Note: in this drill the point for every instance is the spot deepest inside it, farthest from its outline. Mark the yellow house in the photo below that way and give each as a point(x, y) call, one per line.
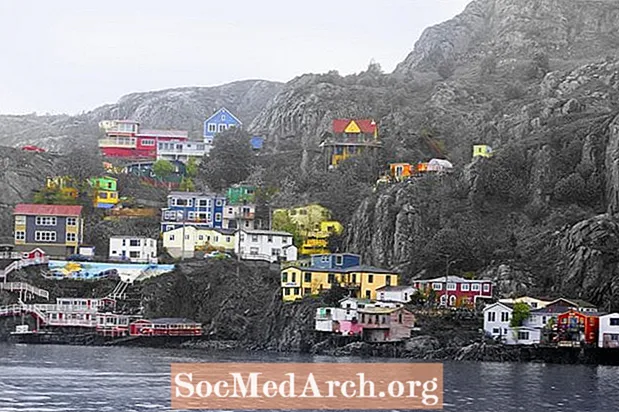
point(362, 281)
point(197, 240)
point(534, 303)
point(482, 151)
point(313, 223)
point(64, 184)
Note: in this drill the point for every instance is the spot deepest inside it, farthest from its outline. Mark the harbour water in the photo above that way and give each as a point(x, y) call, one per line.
point(73, 378)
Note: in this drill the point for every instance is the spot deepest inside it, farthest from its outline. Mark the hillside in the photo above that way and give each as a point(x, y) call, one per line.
point(182, 108)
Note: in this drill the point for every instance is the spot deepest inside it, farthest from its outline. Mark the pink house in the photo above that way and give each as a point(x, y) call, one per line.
point(350, 327)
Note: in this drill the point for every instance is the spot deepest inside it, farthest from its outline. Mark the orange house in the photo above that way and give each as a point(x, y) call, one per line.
point(400, 171)
point(579, 326)
point(422, 167)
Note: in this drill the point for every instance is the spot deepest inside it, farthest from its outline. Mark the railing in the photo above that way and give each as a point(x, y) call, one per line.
point(116, 143)
point(24, 287)
point(181, 151)
point(46, 307)
point(18, 264)
point(85, 323)
point(119, 290)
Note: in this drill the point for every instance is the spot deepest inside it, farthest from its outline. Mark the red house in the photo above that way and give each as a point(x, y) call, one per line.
point(165, 327)
point(578, 326)
point(125, 139)
point(455, 291)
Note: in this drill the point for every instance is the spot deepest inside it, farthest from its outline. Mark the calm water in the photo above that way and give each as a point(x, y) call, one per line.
point(64, 378)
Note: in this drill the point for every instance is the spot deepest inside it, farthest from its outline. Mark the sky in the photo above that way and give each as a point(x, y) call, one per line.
point(69, 56)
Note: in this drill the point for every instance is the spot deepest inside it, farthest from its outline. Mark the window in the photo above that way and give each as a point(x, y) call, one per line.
point(134, 254)
point(216, 239)
point(614, 321)
point(523, 335)
point(21, 235)
point(486, 287)
point(437, 286)
point(103, 195)
point(339, 259)
point(307, 291)
point(399, 318)
point(287, 291)
point(222, 127)
point(223, 117)
point(534, 305)
point(307, 277)
point(451, 286)
point(270, 238)
point(219, 202)
point(20, 220)
point(71, 237)
point(227, 238)
point(370, 278)
point(217, 217)
point(148, 142)
point(171, 237)
point(212, 127)
point(496, 331)
point(491, 316)
point(203, 202)
point(44, 236)
point(276, 252)
point(504, 316)
point(254, 238)
point(475, 287)
point(354, 278)
point(294, 277)
point(284, 277)
point(331, 278)
point(71, 221)
point(45, 221)
point(465, 287)
point(253, 250)
point(200, 237)
point(134, 242)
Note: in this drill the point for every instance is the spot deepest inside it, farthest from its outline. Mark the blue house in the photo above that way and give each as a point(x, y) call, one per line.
point(221, 120)
point(257, 142)
point(200, 210)
point(335, 261)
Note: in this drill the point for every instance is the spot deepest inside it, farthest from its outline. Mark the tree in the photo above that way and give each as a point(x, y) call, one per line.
point(187, 185)
point(163, 168)
point(284, 223)
point(191, 167)
point(230, 159)
point(520, 313)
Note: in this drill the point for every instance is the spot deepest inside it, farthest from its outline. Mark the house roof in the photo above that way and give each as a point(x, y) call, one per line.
point(378, 310)
point(451, 279)
point(266, 232)
point(395, 288)
point(441, 162)
point(131, 237)
point(223, 109)
point(506, 305)
point(577, 303)
point(193, 194)
point(163, 133)
point(171, 321)
point(351, 269)
point(365, 125)
point(358, 300)
point(47, 210)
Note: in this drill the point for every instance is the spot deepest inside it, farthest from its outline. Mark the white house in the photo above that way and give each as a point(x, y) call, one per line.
point(326, 318)
point(134, 249)
point(350, 305)
point(400, 294)
point(239, 216)
point(608, 336)
point(496, 320)
point(266, 245)
point(197, 239)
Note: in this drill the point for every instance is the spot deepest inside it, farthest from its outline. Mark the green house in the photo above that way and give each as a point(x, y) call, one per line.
point(239, 194)
point(103, 183)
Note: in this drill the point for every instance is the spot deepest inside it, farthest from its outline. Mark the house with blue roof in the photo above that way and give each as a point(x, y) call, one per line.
point(219, 121)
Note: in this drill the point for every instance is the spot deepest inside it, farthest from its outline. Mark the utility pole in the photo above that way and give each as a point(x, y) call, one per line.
point(184, 212)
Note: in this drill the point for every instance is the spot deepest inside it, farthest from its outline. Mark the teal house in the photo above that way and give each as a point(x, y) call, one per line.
point(241, 194)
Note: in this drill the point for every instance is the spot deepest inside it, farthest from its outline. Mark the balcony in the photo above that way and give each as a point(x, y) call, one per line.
point(123, 143)
point(181, 149)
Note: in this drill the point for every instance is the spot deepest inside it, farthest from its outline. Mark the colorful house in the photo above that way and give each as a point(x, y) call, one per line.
point(401, 171)
point(105, 194)
point(576, 326)
point(482, 150)
point(351, 137)
point(386, 324)
point(181, 151)
point(66, 185)
point(202, 210)
point(125, 139)
point(327, 270)
point(335, 320)
point(533, 302)
point(257, 143)
point(220, 121)
point(455, 291)
point(197, 240)
point(314, 225)
point(265, 245)
point(240, 216)
point(56, 229)
point(241, 194)
point(400, 294)
point(165, 327)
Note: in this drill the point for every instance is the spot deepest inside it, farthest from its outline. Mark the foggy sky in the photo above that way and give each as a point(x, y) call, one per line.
point(67, 56)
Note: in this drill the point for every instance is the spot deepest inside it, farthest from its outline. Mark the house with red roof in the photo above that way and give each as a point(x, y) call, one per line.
point(58, 230)
point(126, 139)
point(350, 137)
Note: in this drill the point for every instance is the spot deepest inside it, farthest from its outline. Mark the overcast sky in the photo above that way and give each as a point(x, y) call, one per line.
point(67, 56)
